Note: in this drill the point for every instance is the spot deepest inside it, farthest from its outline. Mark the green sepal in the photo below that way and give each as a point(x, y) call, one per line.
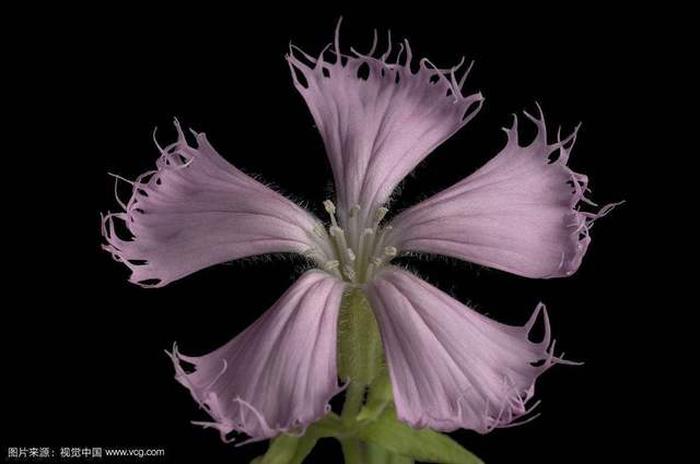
point(359, 344)
point(281, 451)
point(378, 455)
point(291, 449)
point(420, 444)
point(379, 397)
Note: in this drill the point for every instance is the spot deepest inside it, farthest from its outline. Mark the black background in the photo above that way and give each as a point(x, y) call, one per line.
point(83, 360)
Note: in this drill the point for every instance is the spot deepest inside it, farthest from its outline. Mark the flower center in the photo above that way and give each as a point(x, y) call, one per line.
point(357, 250)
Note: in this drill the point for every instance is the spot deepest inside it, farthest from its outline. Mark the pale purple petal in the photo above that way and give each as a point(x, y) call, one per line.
point(450, 366)
point(378, 117)
point(196, 210)
point(519, 213)
point(279, 374)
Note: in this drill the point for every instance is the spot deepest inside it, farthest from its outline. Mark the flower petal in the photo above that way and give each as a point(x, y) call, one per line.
point(450, 366)
point(378, 118)
point(279, 374)
point(196, 210)
point(519, 213)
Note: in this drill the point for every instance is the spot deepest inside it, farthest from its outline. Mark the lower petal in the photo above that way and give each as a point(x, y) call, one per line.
point(279, 374)
point(450, 366)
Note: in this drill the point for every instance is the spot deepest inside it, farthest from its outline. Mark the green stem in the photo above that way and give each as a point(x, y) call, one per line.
point(352, 450)
point(354, 398)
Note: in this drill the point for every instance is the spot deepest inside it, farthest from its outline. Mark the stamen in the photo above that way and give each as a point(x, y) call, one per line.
point(358, 247)
point(332, 267)
point(365, 247)
point(330, 209)
point(339, 235)
point(349, 272)
point(319, 230)
point(311, 252)
point(379, 241)
point(370, 270)
point(374, 263)
point(354, 225)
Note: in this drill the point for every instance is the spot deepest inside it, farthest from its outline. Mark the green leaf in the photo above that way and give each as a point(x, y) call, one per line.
point(398, 459)
point(422, 445)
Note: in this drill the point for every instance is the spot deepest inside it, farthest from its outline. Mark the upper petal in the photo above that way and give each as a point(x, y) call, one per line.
point(378, 118)
point(450, 366)
point(518, 213)
point(279, 374)
point(196, 210)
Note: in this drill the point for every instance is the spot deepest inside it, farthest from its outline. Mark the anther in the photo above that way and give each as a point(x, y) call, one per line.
point(379, 214)
point(330, 207)
point(350, 254)
point(354, 210)
point(390, 251)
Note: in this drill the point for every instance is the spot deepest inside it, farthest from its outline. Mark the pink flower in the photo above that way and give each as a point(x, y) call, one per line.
point(450, 366)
